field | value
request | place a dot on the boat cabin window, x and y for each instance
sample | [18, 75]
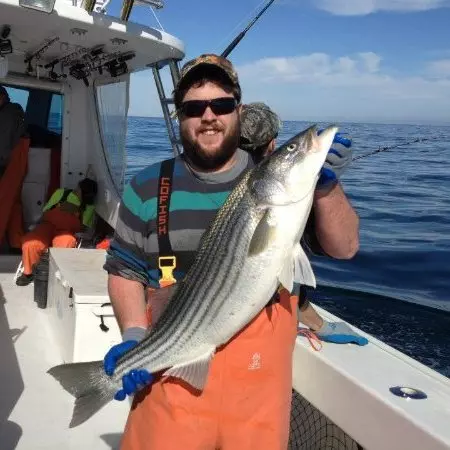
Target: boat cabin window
[43, 114]
[112, 110]
[19, 96]
[54, 122]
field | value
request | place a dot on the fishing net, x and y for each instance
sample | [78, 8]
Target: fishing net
[311, 430]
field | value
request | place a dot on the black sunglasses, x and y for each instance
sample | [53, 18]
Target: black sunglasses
[219, 106]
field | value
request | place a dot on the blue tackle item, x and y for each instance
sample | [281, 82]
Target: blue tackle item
[339, 333]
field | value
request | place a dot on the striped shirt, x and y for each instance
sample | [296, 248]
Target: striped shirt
[196, 198]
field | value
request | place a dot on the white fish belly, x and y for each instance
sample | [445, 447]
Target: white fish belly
[259, 278]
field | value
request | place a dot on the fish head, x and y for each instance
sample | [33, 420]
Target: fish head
[291, 172]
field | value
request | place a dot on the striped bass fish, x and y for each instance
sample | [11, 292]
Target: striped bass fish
[250, 248]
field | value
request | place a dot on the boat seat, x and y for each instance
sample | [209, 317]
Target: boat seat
[43, 173]
[35, 185]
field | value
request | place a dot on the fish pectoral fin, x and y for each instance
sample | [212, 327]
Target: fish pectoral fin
[264, 235]
[193, 372]
[286, 274]
[303, 273]
[297, 268]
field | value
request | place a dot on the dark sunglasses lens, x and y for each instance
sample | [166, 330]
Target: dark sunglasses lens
[221, 106]
[194, 108]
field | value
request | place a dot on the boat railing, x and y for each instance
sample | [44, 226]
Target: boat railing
[169, 117]
[100, 6]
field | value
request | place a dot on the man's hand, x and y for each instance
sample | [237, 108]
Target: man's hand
[134, 380]
[338, 159]
[339, 333]
[336, 222]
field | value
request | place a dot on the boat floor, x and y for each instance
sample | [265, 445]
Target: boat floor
[34, 410]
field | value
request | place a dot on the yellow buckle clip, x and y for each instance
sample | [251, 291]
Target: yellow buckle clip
[167, 264]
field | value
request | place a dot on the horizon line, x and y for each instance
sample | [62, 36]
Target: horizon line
[369, 121]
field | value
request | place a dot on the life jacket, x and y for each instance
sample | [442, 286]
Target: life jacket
[64, 197]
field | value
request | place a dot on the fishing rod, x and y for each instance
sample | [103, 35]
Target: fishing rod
[235, 42]
[241, 35]
[391, 147]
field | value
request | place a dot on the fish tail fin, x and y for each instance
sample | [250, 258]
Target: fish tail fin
[88, 383]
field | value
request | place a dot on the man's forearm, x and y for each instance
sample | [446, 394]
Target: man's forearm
[158, 299]
[336, 223]
[128, 302]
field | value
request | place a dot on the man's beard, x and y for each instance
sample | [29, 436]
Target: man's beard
[209, 161]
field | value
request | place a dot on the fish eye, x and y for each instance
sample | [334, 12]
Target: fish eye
[291, 147]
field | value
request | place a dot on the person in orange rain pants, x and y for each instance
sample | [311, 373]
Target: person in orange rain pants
[246, 401]
[14, 146]
[64, 215]
[259, 129]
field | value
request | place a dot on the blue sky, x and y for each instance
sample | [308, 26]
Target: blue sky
[339, 60]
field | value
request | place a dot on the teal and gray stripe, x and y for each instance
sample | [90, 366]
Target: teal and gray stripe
[194, 203]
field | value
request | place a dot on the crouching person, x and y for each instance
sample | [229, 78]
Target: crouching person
[65, 214]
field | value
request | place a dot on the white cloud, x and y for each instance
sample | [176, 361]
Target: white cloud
[347, 87]
[318, 68]
[364, 7]
[439, 69]
[322, 87]
[371, 60]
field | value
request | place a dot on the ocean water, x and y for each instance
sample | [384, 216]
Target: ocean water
[397, 287]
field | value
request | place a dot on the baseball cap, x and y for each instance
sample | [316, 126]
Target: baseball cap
[212, 60]
[259, 125]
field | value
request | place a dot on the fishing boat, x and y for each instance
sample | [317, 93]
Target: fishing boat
[75, 60]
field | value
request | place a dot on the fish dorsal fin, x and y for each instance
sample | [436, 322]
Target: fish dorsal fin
[296, 268]
[193, 372]
[264, 234]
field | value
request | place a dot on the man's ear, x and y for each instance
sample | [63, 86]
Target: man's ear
[239, 108]
[271, 147]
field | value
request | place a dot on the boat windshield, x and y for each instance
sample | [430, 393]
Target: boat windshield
[112, 101]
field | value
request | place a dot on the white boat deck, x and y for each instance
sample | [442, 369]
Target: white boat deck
[34, 411]
[349, 384]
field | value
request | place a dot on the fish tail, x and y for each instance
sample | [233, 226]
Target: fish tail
[88, 383]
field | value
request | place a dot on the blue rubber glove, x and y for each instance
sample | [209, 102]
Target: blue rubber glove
[339, 333]
[338, 159]
[134, 380]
